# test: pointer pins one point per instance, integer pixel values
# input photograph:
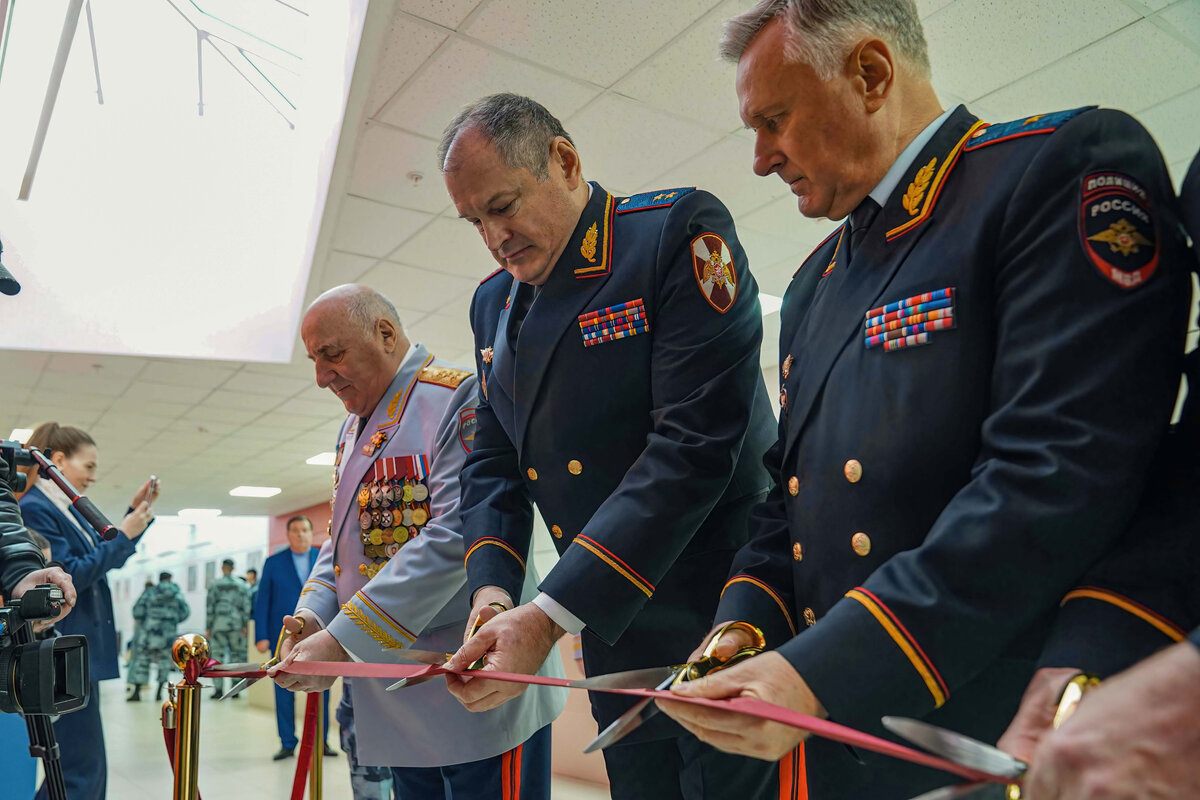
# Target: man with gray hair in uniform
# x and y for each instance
(958, 420)
(391, 577)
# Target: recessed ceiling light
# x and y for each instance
(255, 491)
(322, 459)
(770, 303)
(21, 434)
(198, 513)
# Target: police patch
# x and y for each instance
(715, 273)
(466, 429)
(1117, 229)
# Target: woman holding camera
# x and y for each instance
(86, 558)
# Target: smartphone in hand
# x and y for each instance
(153, 488)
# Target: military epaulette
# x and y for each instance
(489, 277)
(443, 376)
(1029, 126)
(663, 198)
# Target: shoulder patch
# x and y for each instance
(443, 376)
(1028, 126)
(489, 277)
(715, 272)
(663, 198)
(1117, 229)
(466, 429)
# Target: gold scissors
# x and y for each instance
(271, 662)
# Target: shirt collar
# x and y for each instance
(883, 190)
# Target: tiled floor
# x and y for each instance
(236, 744)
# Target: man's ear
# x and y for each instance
(388, 333)
(873, 68)
(565, 157)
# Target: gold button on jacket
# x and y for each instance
(853, 470)
(861, 543)
(532, 473)
(793, 486)
(557, 531)
(810, 618)
(797, 551)
(574, 467)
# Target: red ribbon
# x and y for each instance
(742, 705)
(306, 746)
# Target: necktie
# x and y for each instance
(860, 221)
(526, 294)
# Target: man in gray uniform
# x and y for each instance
(159, 611)
(228, 620)
(392, 576)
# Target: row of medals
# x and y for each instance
(393, 511)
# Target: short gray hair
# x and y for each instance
(821, 33)
(363, 306)
(520, 128)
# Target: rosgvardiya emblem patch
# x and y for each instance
(715, 273)
(1117, 229)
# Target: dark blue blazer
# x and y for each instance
(278, 591)
(87, 564)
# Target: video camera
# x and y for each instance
(50, 676)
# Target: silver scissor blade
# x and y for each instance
(623, 725)
(968, 791)
(237, 687)
(957, 748)
(249, 666)
(630, 679)
(631, 719)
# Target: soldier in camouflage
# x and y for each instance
(158, 613)
(228, 620)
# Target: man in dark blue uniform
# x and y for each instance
(1137, 736)
(620, 392)
(977, 369)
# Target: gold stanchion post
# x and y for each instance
(318, 757)
(187, 648)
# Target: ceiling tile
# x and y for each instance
(62, 414)
(224, 398)
(622, 141)
(342, 268)
(977, 46)
(781, 217)
(53, 383)
(448, 246)
(89, 363)
(1184, 18)
(383, 162)
(767, 248)
(443, 334)
(1179, 172)
(409, 42)
(449, 13)
(322, 409)
(1154, 67)
(262, 383)
(414, 292)
(186, 374)
(461, 73)
(460, 306)
(374, 229)
(205, 413)
(688, 78)
(927, 8)
(724, 170)
(22, 367)
(142, 391)
(299, 367)
(597, 40)
(1173, 125)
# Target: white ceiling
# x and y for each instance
(650, 106)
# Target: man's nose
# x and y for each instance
(767, 158)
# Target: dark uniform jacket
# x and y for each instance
(18, 555)
(633, 413)
(972, 400)
(1145, 594)
(87, 559)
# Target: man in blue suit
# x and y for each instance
(282, 577)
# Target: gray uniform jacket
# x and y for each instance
(392, 574)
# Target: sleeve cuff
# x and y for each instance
(363, 626)
(555, 611)
(1102, 632)
(883, 666)
(753, 600)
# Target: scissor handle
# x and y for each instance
(284, 633)
(479, 622)
(1068, 701)
(709, 662)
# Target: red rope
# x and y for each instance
(307, 740)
